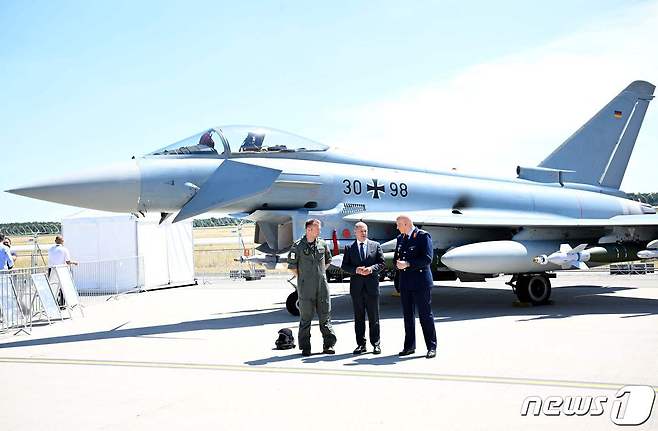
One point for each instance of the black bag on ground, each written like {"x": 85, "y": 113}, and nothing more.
{"x": 285, "y": 340}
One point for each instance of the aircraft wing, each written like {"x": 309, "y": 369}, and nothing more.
{"x": 503, "y": 219}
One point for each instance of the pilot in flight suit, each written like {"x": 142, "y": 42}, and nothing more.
{"x": 413, "y": 256}
{"x": 309, "y": 261}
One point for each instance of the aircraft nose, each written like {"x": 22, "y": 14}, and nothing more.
{"x": 112, "y": 188}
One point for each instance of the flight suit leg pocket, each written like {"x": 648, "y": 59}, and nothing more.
{"x": 306, "y": 309}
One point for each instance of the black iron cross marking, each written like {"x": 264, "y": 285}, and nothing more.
{"x": 375, "y": 189}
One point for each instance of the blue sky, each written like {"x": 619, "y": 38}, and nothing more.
{"x": 90, "y": 83}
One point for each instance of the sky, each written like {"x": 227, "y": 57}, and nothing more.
{"x": 477, "y": 86}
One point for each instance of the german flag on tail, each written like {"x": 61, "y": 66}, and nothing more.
{"x": 617, "y": 114}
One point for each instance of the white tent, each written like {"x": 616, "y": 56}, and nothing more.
{"x": 120, "y": 252}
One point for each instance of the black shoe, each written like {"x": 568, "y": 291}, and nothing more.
{"x": 329, "y": 351}
{"x": 376, "y": 350}
{"x": 306, "y": 353}
{"x": 360, "y": 350}
{"x": 407, "y": 352}
{"x": 431, "y": 354}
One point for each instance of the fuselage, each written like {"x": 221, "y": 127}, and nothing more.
{"x": 322, "y": 185}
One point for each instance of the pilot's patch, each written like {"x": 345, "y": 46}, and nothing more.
{"x": 293, "y": 255}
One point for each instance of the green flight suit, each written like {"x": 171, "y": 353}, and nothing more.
{"x": 310, "y": 259}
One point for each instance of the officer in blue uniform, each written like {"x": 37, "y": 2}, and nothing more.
{"x": 413, "y": 256}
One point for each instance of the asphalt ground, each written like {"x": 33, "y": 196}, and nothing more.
{"x": 203, "y": 358}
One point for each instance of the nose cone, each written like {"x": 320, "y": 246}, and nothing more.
{"x": 111, "y": 188}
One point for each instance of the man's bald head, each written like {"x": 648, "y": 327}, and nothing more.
{"x": 404, "y": 223}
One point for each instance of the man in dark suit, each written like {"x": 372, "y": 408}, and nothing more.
{"x": 364, "y": 260}
{"x": 413, "y": 256}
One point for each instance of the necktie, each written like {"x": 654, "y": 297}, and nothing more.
{"x": 363, "y": 255}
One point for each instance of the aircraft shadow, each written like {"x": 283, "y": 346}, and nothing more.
{"x": 449, "y": 304}
{"x": 468, "y": 303}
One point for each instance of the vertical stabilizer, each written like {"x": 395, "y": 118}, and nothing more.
{"x": 599, "y": 151}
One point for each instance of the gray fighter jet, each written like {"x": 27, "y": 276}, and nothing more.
{"x": 567, "y": 212}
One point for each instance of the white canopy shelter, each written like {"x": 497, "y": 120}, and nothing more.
{"x": 120, "y": 252}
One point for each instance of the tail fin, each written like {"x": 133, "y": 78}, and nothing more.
{"x": 599, "y": 151}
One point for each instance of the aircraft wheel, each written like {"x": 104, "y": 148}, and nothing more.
{"x": 539, "y": 289}
{"x": 292, "y": 303}
{"x": 521, "y": 288}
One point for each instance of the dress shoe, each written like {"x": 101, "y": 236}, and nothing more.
{"x": 306, "y": 353}
{"x": 360, "y": 350}
{"x": 431, "y": 354}
{"x": 376, "y": 350}
{"x": 329, "y": 351}
{"x": 407, "y": 352}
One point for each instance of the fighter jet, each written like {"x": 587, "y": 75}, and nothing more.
{"x": 567, "y": 210}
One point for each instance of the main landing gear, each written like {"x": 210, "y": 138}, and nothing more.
{"x": 532, "y": 288}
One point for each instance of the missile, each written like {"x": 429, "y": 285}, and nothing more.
{"x": 647, "y": 254}
{"x": 389, "y": 246}
{"x": 514, "y": 257}
{"x": 497, "y": 257}
{"x": 269, "y": 261}
{"x": 337, "y": 261}
{"x": 651, "y": 252}
{"x": 568, "y": 257}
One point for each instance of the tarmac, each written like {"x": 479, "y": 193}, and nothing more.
{"x": 203, "y": 357}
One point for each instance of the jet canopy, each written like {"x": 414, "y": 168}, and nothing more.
{"x": 236, "y": 141}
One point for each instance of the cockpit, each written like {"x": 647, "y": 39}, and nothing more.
{"x": 236, "y": 141}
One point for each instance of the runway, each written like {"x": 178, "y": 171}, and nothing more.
{"x": 203, "y": 357}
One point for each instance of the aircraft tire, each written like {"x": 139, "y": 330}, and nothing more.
{"x": 539, "y": 289}
{"x": 292, "y": 303}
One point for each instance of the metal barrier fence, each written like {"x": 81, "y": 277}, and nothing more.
{"x": 109, "y": 277}
{"x": 18, "y": 304}
{"x": 632, "y": 268}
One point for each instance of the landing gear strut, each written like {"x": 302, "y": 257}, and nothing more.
{"x": 533, "y": 288}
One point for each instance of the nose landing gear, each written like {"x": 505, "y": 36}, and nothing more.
{"x": 292, "y": 302}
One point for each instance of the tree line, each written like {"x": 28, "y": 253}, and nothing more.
{"x": 53, "y": 228}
